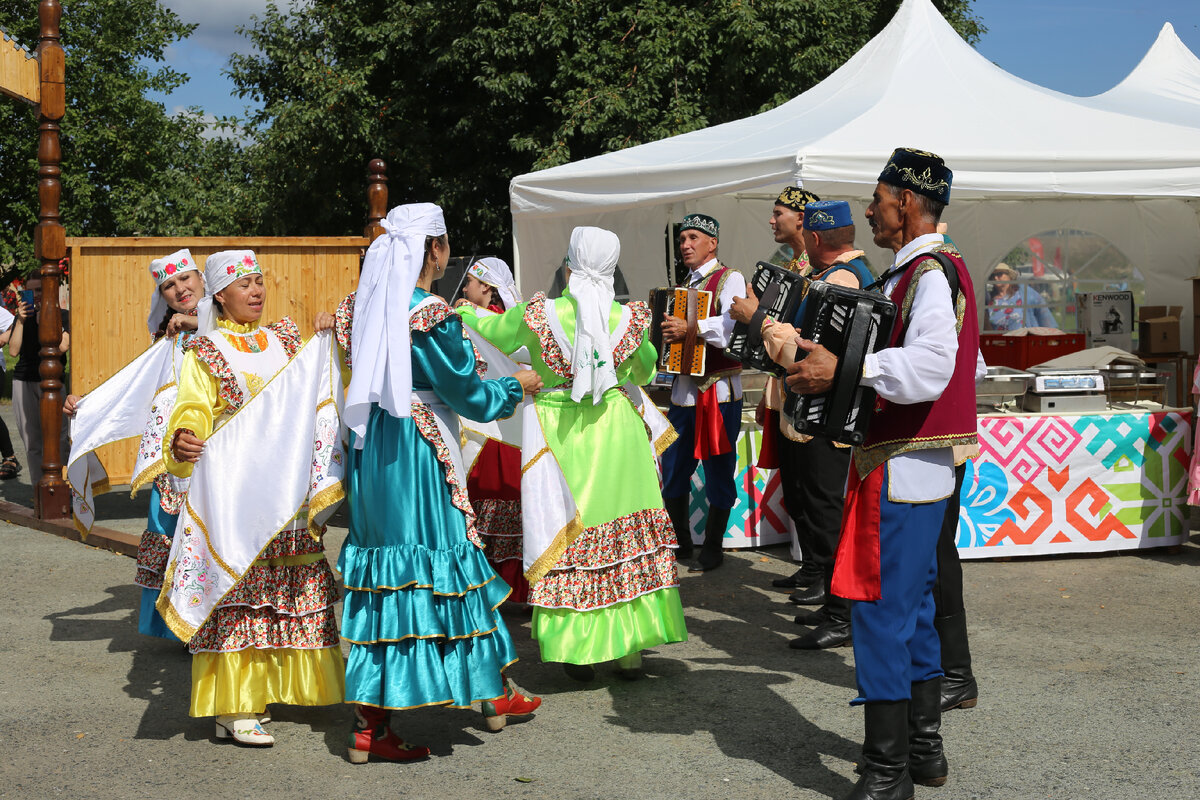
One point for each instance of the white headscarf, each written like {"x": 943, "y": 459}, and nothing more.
{"x": 494, "y": 272}
{"x": 162, "y": 270}
{"x": 380, "y": 338}
{"x": 221, "y": 269}
{"x": 592, "y": 257}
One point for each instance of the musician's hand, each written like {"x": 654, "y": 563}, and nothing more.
{"x": 187, "y": 446}
{"x": 674, "y": 329}
{"x": 814, "y": 373}
{"x": 743, "y": 308}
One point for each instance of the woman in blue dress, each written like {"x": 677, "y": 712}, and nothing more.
{"x": 421, "y": 599}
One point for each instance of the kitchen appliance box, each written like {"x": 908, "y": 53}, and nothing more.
{"x": 1158, "y": 329}
{"x": 1107, "y": 318}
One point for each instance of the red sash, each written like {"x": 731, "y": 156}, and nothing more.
{"x": 711, "y": 439}
{"x": 768, "y": 454}
{"x": 856, "y": 565}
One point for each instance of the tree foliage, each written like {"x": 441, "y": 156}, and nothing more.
{"x": 459, "y": 97}
{"x": 129, "y": 167}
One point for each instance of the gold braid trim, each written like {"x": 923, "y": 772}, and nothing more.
{"x": 83, "y": 532}
{"x": 533, "y": 460}
{"x": 146, "y": 476}
{"x": 562, "y": 540}
{"x": 666, "y": 440}
{"x": 170, "y": 616}
{"x": 329, "y": 496}
{"x": 866, "y": 460}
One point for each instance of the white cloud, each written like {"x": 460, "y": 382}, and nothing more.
{"x": 218, "y": 20}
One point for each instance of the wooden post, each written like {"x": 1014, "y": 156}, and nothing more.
{"x": 52, "y": 499}
{"x": 377, "y": 197}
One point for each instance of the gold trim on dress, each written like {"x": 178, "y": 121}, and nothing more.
{"x": 562, "y": 540}
{"x": 207, "y": 541}
{"x": 148, "y": 475}
{"x": 545, "y": 449}
{"x": 327, "y": 497}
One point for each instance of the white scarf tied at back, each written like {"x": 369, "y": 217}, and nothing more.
{"x": 221, "y": 269}
{"x": 592, "y": 256}
{"x": 494, "y": 272}
{"x": 380, "y": 337}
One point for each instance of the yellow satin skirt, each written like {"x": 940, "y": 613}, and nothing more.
{"x": 243, "y": 682}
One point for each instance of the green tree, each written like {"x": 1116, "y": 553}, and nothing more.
{"x": 459, "y": 97}
{"x": 129, "y": 167}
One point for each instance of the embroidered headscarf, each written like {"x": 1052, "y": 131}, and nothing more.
{"x": 592, "y": 257}
{"x": 380, "y": 337}
{"x": 494, "y": 272}
{"x": 221, "y": 269}
{"x": 162, "y": 270}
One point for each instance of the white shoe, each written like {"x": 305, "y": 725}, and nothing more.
{"x": 245, "y": 729}
{"x": 264, "y": 717}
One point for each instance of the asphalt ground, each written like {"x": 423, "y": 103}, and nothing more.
{"x": 1088, "y": 672}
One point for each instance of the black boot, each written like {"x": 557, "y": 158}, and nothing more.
{"x": 926, "y": 760}
{"x": 711, "y": 552}
{"x": 806, "y": 576}
{"x": 834, "y": 628}
{"x": 885, "y": 754}
{"x": 814, "y": 595}
{"x": 959, "y": 689}
{"x": 677, "y": 510}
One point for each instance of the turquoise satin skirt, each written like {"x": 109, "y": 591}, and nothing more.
{"x": 421, "y": 601}
{"x": 150, "y": 622}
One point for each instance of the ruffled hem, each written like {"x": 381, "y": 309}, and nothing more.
{"x": 288, "y": 590}
{"x": 622, "y": 539}
{"x": 590, "y": 589}
{"x": 590, "y": 637}
{"x": 453, "y": 571}
{"x": 153, "y": 551}
{"x": 495, "y": 517}
{"x": 429, "y": 672}
{"x": 233, "y": 628}
{"x": 245, "y": 681}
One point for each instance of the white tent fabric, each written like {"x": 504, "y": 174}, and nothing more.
{"x": 1026, "y": 159}
{"x": 1165, "y": 85}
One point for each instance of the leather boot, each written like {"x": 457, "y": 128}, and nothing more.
{"x": 926, "y": 759}
{"x": 834, "y": 629}
{"x": 959, "y": 689}
{"x": 711, "y": 552}
{"x": 677, "y": 510}
{"x": 814, "y": 595}
{"x": 884, "y": 754}
{"x": 806, "y": 576}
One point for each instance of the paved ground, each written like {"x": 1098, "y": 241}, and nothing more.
{"x": 1088, "y": 668}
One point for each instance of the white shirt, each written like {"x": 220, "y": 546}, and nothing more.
{"x": 715, "y": 330}
{"x": 918, "y": 372}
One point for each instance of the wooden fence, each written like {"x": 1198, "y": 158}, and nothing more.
{"x": 111, "y": 288}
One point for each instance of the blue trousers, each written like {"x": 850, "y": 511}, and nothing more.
{"x": 895, "y": 643}
{"x": 679, "y": 461}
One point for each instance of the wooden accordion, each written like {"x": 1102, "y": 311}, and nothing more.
{"x": 850, "y": 323}
{"x": 685, "y": 357}
{"x": 779, "y": 293}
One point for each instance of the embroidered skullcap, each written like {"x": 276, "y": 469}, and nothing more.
{"x": 162, "y": 270}
{"x": 220, "y": 270}
{"x": 922, "y": 172}
{"x": 795, "y": 198}
{"x": 701, "y": 222}
{"x": 495, "y": 273}
{"x": 825, "y": 215}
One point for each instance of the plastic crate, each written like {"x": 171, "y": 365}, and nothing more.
{"x": 1022, "y": 352}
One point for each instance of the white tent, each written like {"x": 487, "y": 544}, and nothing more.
{"x": 1026, "y": 159}
{"x": 1165, "y": 85}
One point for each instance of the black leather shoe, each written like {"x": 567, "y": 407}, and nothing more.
{"x": 711, "y": 552}
{"x": 812, "y": 618}
{"x": 801, "y": 578}
{"x": 823, "y": 637}
{"x": 812, "y": 596}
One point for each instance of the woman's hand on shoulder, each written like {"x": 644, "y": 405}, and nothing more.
{"x": 323, "y": 322}
{"x": 182, "y": 322}
{"x": 529, "y": 380}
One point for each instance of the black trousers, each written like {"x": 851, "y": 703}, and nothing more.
{"x": 948, "y": 590}
{"x": 813, "y": 478}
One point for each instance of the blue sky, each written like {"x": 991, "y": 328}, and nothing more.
{"x": 1073, "y": 46}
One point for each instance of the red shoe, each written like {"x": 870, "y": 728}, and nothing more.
{"x": 372, "y": 736}
{"x": 496, "y": 712}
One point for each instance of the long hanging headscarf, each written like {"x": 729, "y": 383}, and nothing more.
{"x": 380, "y": 337}
{"x": 495, "y": 273}
{"x": 221, "y": 269}
{"x": 592, "y": 257}
{"x": 162, "y": 270}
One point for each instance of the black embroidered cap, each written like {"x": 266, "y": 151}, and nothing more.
{"x": 922, "y": 172}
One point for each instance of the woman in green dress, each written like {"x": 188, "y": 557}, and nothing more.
{"x": 599, "y": 548}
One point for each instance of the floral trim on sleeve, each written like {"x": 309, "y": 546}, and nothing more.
{"x": 481, "y": 366}
{"x": 426, "y": 424}
{"x": 535, "y": 318}
{"x": 430, "y": 316}
{"x": 153, "y": 550}
{"x": 170, "y": 498}
{"x": 343, "y": 323}
{"x": 288, "y": 334}
{"x": 639, "y": 322}
{"x": 207, "y": 352}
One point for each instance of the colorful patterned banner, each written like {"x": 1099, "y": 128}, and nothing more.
{"x": 1070, "y": 484}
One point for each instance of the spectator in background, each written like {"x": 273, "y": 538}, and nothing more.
{"x": 1012, "y": 305}
{"x": 9, "y": 466}
{"x": 27, "y": 390}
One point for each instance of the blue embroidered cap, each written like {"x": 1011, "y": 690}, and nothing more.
{"x": 701, "y": 222}
{"x": 825, "y": 215}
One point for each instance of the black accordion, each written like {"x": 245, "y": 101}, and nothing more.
{"x": 779, "y": 293}
{"x": 850, "y": 323}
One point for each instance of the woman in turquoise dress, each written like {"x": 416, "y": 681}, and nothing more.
{"x": 421, "y": 599}
{"x": 599, "y": 548}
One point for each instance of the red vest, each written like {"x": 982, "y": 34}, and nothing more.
{"x": 716, "y": 363}
{"x": 950, "y": 419}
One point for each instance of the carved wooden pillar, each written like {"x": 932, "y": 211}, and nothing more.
{"x": 377, "y": 197}
{"x": 51, "y": 497}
